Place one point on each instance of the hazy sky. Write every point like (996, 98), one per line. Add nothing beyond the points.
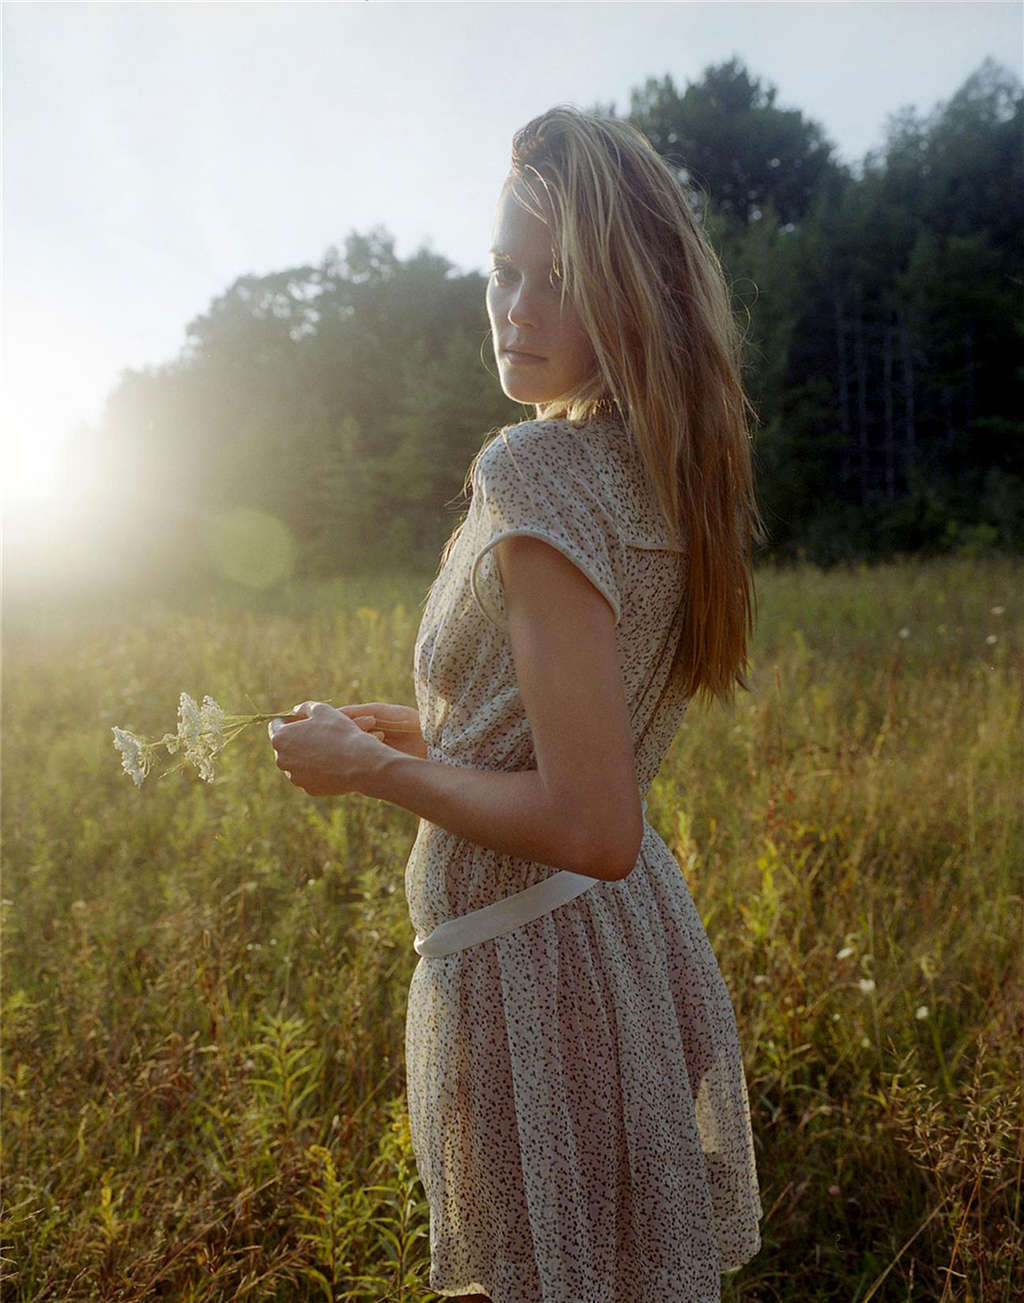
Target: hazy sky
(155, 152)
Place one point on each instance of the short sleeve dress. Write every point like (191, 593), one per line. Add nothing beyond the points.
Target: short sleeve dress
(577, 1103)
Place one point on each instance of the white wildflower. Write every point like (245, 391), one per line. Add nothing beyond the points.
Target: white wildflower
(212, 737)
(921, 1012)
(998, 610)
(200, 733)
(845, 953)
(190, 723)
(991, 639)
(865, 1043)
(866, 985)
(904, 633)
(133, 755)
(212, 719)
(203, 732)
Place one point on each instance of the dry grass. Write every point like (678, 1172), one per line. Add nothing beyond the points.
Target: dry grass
(204, 987)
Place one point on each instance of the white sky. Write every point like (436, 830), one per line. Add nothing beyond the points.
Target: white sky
(155, 152)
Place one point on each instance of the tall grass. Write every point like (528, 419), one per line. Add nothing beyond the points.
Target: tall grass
(204, 986)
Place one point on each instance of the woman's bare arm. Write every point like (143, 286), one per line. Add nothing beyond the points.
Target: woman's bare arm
(398, 726)
(580, 808)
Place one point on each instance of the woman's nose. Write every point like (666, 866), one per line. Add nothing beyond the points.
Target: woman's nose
(522, 309)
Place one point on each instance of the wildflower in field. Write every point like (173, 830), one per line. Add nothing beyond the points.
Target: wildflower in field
(190, 724)
(904, 633)
(866, 985)
(135, 760)
(991, 639)
(202, 733)
(998, 610)
(921, 1012)
(845, 953)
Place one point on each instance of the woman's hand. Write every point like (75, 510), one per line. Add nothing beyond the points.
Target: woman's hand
(397, 726)
(323, 750)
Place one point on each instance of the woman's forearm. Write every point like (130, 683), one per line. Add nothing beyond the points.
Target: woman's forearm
(509, 812)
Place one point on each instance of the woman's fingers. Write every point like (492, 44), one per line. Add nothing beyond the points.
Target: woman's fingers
(369, 724)
(307, 708)
(390, 716)
(364, 708)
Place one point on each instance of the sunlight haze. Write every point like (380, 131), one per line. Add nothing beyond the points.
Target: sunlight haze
(153, 153)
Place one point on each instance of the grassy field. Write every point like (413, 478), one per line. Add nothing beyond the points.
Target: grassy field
(204, 986)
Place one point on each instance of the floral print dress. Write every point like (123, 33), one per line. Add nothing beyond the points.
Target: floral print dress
(576, 1095)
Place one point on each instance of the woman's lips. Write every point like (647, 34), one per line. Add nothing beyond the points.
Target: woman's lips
(522, 359)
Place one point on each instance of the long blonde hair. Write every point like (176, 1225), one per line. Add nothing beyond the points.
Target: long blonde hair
(651, 295)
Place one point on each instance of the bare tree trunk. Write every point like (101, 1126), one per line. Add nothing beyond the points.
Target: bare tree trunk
(947, 411)
(860, 361)
(909, 432)
(844, 388)
(969, 369)
(890, 440)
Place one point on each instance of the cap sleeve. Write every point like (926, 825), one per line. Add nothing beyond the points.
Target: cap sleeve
(534, 480)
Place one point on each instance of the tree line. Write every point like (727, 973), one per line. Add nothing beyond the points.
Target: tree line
(880, 307)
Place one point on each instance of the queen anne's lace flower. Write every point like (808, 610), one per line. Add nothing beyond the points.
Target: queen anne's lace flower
(190, 722)
(134, 760)
(200, 733)
(211, 717)
(203, 731)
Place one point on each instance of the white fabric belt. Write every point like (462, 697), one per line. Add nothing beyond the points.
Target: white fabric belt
(505, 915)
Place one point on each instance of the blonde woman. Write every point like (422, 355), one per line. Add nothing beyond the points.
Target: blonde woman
(576, 1094)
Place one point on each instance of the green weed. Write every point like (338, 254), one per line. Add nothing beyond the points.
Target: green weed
(204, 986)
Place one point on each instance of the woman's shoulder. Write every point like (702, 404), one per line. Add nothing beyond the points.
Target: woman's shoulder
(525, 450)
(552, 442)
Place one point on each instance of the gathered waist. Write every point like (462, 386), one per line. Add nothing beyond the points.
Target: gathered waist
(507, 914)
(504, 915)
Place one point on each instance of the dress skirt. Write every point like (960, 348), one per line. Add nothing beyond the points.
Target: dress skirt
(578, 1107)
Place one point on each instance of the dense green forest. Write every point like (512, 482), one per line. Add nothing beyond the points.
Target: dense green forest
(881, 308)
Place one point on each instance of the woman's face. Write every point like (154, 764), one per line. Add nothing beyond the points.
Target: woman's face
(540, 347)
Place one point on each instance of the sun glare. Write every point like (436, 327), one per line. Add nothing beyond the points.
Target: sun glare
(34, 472)
(53, 530)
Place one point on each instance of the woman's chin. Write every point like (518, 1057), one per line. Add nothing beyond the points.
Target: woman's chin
(524, 393)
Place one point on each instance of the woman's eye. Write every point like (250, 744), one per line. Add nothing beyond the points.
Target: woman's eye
(502, 275)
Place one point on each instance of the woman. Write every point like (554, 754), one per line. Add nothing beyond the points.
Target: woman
(576, 1095)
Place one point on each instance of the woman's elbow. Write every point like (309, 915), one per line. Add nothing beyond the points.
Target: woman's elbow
(612, 855)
